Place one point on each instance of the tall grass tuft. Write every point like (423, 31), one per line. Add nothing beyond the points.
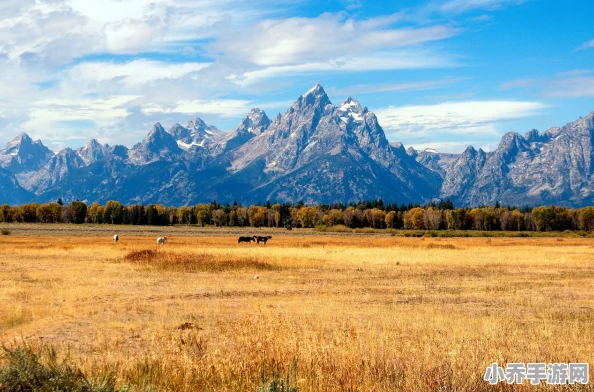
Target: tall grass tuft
(25, 372)
(196, 262)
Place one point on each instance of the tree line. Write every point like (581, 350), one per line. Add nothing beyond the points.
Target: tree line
(373, 214)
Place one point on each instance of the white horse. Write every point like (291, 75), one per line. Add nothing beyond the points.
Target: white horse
(116, 239)
(161, 240)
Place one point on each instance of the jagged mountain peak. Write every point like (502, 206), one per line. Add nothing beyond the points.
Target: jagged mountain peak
(23, 137)
(156, 133)
(92, 144)
(66, 151)
(314, 97)
(256, 122)
(157, 128)
(257, 115)
(470, 150)
(93, 152)
(158, 144)
(351, 102)
(316, 90)
(257, 111)
(176, 126)
(196, 123)
(353, 108)
(22, 140)
(532, 135)
(315, 152)
(511, 143)
(22, 154)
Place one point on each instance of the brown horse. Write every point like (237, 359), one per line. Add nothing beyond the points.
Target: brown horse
(263, 239)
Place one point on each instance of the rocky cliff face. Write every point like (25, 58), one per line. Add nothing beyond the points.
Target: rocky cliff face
(195, 134)
(555, 167)
(22, 154)
(10, 190)
(315, 152)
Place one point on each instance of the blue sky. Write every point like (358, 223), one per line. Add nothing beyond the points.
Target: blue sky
(439, 74)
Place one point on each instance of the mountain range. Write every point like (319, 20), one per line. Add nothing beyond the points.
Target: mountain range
(316, 153)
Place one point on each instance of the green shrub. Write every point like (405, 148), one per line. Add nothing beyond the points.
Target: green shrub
(5, 232)
(25, 372)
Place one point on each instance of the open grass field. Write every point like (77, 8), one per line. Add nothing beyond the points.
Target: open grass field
(320, 312)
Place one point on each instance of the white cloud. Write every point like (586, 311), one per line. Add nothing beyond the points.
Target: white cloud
(221, 107)
(394, 60)
(132, 35)
(133, 73)
(102, 111)
(573, 84)
(293, 41)
(586, 45)
(467, 5)
(571, 87)
(392, 87)
(49, 51)
(458, 118)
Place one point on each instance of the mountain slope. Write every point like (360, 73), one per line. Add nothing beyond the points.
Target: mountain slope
(10, 191)
(555, 167)
(315, 152)
(319, 152)
(22, 154)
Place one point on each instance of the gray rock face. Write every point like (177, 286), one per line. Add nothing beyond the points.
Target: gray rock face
(462, 175)
(59, 168)
(254, 124)
(93, 152)
(438, 162)
(10, 191)
(22, 154)
(555, 167)
(195, 134)
(315, 152)
(157, 145)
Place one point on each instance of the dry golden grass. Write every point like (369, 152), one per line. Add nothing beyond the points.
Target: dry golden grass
(328, 313)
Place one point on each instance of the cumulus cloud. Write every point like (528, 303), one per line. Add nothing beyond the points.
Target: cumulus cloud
(80, 68)
(457, 118)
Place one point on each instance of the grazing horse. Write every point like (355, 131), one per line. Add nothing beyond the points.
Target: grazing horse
(245, 239)
(116, 239)
(161, 240)
(263, 239)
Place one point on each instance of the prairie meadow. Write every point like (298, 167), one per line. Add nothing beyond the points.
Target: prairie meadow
(306, 312)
